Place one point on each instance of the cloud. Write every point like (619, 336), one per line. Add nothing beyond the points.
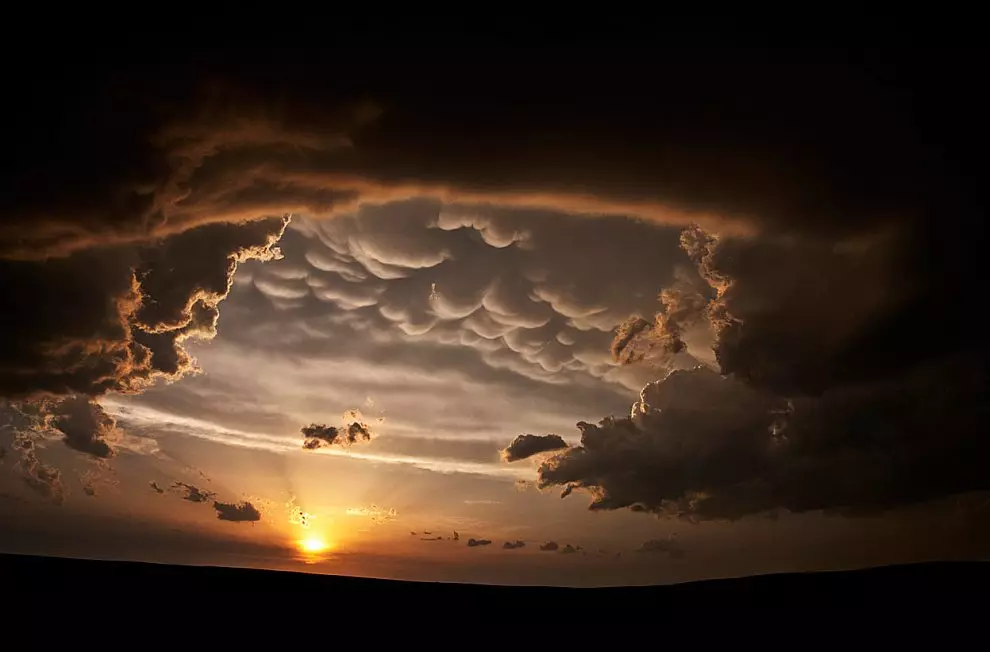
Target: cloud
(474, 543)
(570, 550)
(87, 428)
(318, 435)
(154, 486)
(702, 446)
(549, 546)
(114, 319)
(524, 446)
(193, 494)
(513, 545)
(669, 547)
(243, 512)
(43, 479)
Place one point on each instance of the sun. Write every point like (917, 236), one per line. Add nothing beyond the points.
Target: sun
(313, 544)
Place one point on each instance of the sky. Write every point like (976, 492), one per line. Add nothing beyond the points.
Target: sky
(589, 317)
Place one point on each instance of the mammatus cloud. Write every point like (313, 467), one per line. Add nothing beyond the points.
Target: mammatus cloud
(318, 435)
(669, 546)
(474, 543)
(243, 512)
(513, 545)
(193, 494)
(524, 446)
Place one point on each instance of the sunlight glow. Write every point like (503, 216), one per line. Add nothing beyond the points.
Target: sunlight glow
(313, 544)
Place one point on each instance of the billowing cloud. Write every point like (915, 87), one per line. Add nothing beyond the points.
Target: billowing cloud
(86, 426)
(524, 446)
(114, 319)
(192, 493)
(513, 545)
(700, 445)
(243, 512)
(474, 543)
(549, 546)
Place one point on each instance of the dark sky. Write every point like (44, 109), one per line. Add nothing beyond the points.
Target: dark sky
(488, 242)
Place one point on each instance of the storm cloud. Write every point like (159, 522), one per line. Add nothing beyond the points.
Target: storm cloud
(524, 446)
(223, 156)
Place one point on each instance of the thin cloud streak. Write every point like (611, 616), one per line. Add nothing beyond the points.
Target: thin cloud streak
(202, 429)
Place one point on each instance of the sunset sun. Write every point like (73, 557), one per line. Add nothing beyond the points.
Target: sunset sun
(313, 544)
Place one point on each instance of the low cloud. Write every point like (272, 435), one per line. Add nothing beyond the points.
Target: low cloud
(524, 446)
(243, 512)
(569, 549)
(513, 545)
(318, 435)
(474, 543)
(192, 493)
(154, 486)
(549, 546)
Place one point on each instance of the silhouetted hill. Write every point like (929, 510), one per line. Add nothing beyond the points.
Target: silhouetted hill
(934, 583)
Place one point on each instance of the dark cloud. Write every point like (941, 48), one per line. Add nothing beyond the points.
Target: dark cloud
(700, 446)
(243, 512)
(474, 543)
(318, 435)
(228, 153)
(570, 550)
(86, 426)
(114, 318)
(549, 546)
(524, 446)
(513, 545)
(669, 547)
(155, 487)
(193, 494)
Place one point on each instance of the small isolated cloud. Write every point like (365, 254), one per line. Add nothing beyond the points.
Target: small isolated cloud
(569, 549)
(193, 494)
(525, 446)
(155, 487)
(86, 427)
(549, 546)
(513, 545)
(318, 435)
(431, 538)
(474, 543)
(243, 512)
(668, 546)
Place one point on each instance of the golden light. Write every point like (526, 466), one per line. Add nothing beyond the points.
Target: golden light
(313, 544)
